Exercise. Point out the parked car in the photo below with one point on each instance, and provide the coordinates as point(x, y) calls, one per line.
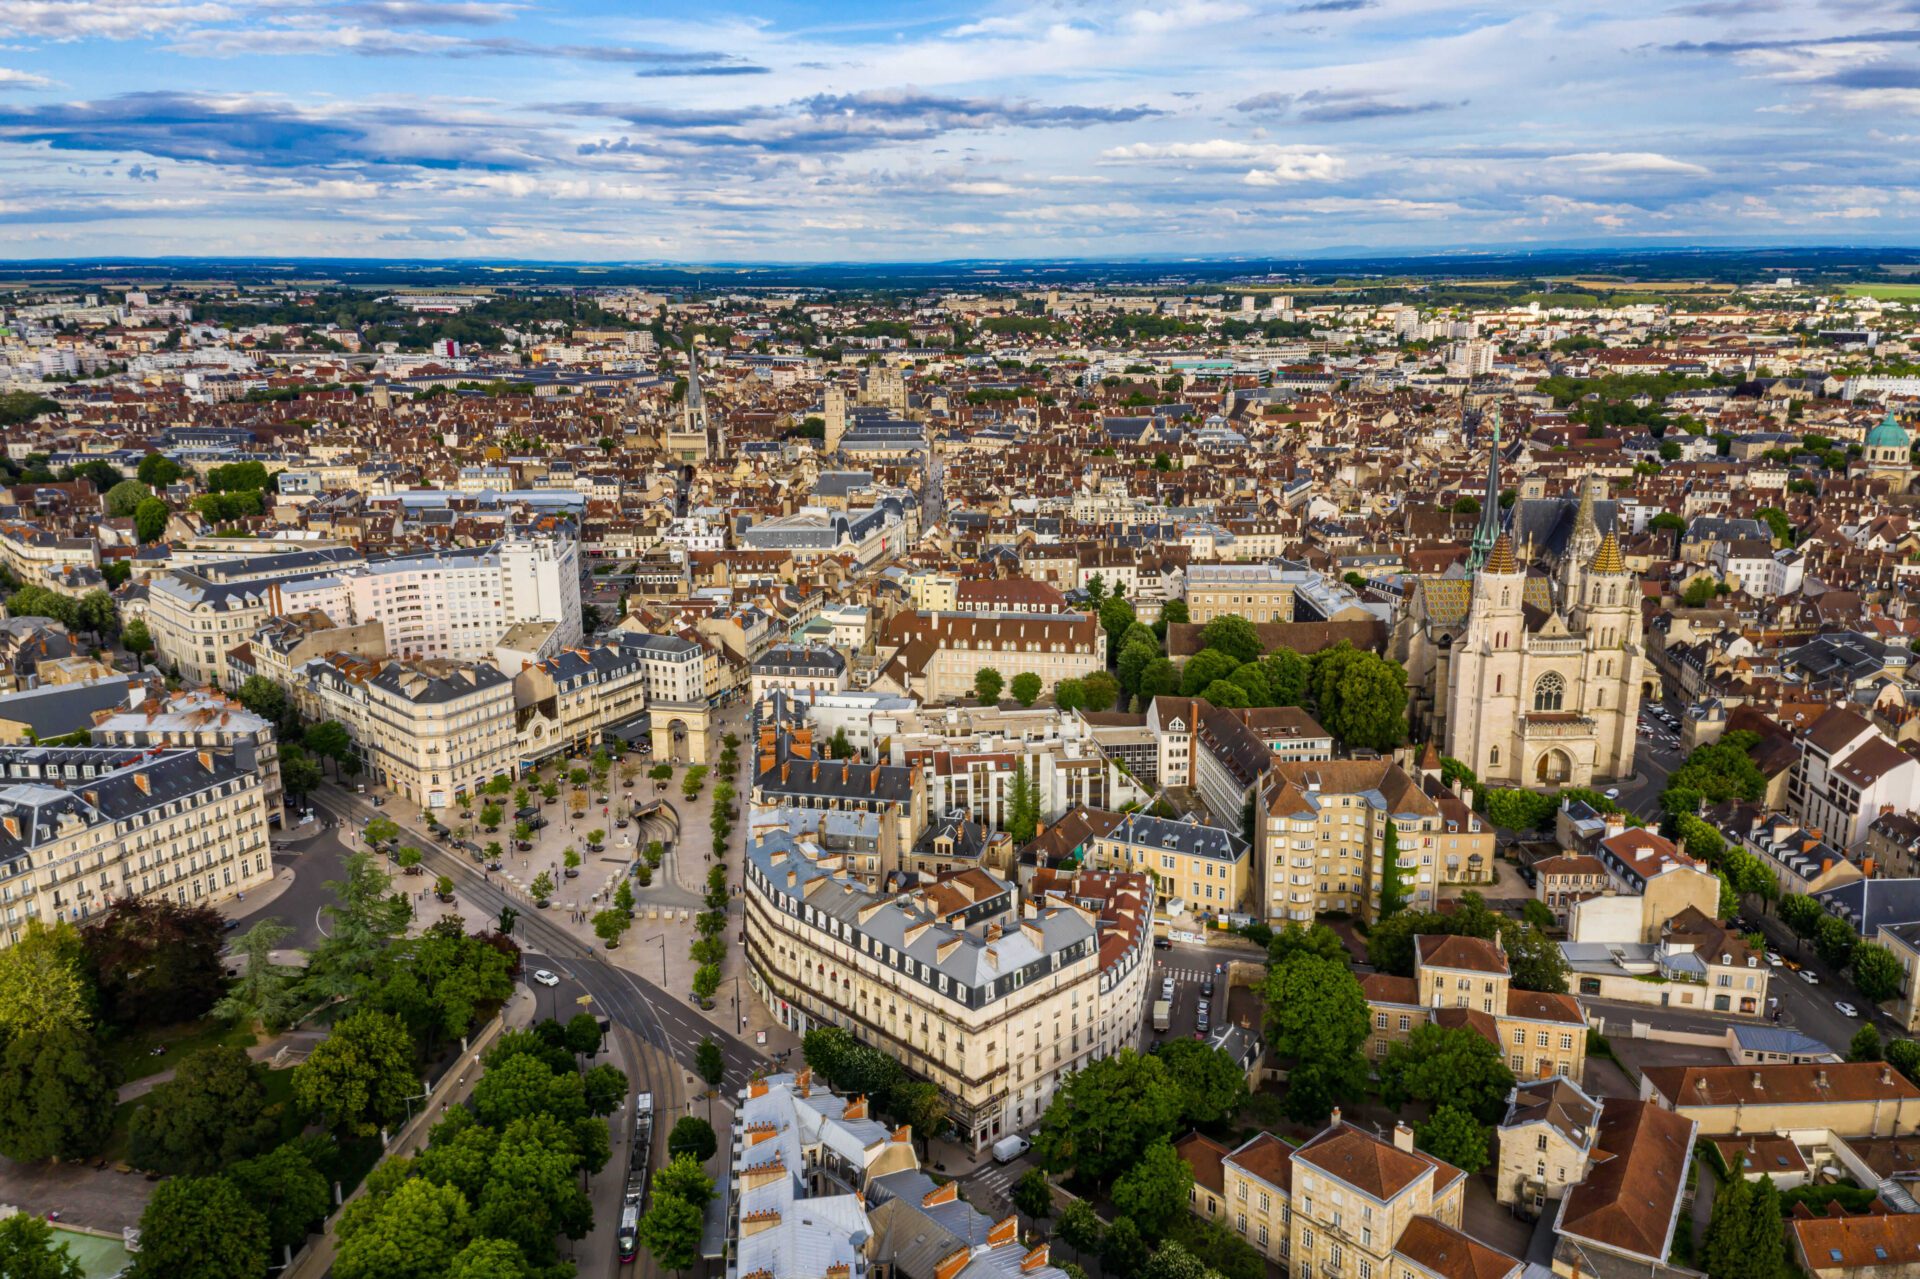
point(1206, 987)
point(1806, 975)
point(1163, 943)
point(1773, 958)
point(1846, 1009)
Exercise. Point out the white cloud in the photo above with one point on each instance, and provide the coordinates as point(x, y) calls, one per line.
point(1626, 163)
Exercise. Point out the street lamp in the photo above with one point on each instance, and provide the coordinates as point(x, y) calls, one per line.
point(662, 939)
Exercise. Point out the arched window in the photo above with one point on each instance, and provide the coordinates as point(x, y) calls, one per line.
point(1493, 755)
point(1549, 691)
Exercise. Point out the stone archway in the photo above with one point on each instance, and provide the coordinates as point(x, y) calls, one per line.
point(680, 734)
point(1649, 690)
point(1553, 768)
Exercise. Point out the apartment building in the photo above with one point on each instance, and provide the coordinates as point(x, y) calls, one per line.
point(1208, 866)
point(1320, 834)
point(1847, 1099)
point(992, 999)
point(1879, 1245)
point(1904, 941)
point(969, 764)
point(284, 643)
point(1848, 774)
point(197, 616)
point(431, 730)
point(1562, 881)
point(196, 719)
point(800, 669)
point(1346, 1204)
point(816, 1176)
point(789, 774)
point(81, 827)
point(1621, 1218)
point(1653, 880)
point(1257, 592)
point(934, 656)
point(569, 701)
point(456, 604)
point(1466, 981)
point(36, 557)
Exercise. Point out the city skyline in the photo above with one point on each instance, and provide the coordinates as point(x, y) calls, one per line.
point(772, 132)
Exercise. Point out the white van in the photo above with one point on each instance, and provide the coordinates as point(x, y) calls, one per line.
point(1008, 1149)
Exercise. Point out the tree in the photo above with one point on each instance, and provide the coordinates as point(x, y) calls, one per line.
point(1746, 1237)
point(155, 961)
point(1234, 636)
point(541, 888)
point(1699, 593)
point(671, 1232)
point(1865, 1045)
point(921, 1106)
point(526, 1084)
point(1288, 676)
point(1834, 940)
point(1135, 656)
point(1023, 815)
point(267, 699)
point(1107, 1113)
point(1394, 893)
point(604, 1087)
point(1153, 1191)
point(1317, 1018)
point(1124, 1250)
point(357, 1080)
point(1904, 1056)
point(1361, 697)
point(1877, 975)
point(125, 497)
point(412, 1233)
point(138, 640)
point(1801, 913)
point(708, 1062)
point(683, 1179)
point(1212, 1084)
point(1454, 1135)
point(365, 915)
point(201, 1227)
point(213, 1112)
point(1220, 1250)
point(150, 520)
point(1033, 1194)
point(609, 924)
point(1116, 615)
point(157, 470)
point(56, 1098)
point(263, 992)
point(1315, 939)
point(1203, 668)
point(1538, 913)
point(42, 986)
point(490, 1259)
point(28, 1250)
point(1448, 1067)
point(1080, 1227)
point(1070, 694)
point(329, 740)
point(1026, 688)
point(692, 1136)
point(987, 683)
point(286, 1188)
point(1099, 691)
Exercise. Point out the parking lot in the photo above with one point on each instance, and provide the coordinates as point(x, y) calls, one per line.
point(1190, 968)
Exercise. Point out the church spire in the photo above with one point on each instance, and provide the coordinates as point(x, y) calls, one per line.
point(1483, 537)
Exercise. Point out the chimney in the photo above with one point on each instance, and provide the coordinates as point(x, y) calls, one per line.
point(1759, 1081)
point(803, 1082)
point(1335, 1118)
point(1035, 1260)
point(941, 1195)
point(1005, 1230)
point(1403, 1137)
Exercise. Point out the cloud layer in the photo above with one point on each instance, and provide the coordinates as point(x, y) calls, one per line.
point(583, 129)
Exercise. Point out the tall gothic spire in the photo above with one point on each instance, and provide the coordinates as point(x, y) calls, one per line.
point(1483, 537)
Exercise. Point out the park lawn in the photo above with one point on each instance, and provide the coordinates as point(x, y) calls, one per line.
point(132, 1054)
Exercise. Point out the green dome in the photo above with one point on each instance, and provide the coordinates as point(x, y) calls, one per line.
point(1888, 434)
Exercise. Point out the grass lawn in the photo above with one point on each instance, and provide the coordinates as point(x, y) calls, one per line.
point(132, 1054)
point(1885, 292)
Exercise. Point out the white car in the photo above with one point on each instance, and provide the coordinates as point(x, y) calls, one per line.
point(1613, 792)
point(1806, 975)
point(545, 978)
point(1773, 959)
point(1846, 1009)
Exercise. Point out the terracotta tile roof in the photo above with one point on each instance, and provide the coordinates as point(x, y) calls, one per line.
point(1267, 1157)
point(1889, 1240)
point(1472, 1019)
point(1779, 1084)
point(1204, 1155)
point(1570, 864)
point(1368, 1164)
point(1627, 1202)
point(1444, 1251)
point(1473, 954)
point(1385, 988)
point(1540, 1005)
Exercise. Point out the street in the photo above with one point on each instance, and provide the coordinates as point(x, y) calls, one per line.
point(1189, 966)
point(654, 1014)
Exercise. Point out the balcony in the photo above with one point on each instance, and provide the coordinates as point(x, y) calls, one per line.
point(1555, 726)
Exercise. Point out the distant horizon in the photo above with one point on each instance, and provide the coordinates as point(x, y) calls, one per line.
point(776, 131)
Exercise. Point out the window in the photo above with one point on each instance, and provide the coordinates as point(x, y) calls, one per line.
point(1549, 692)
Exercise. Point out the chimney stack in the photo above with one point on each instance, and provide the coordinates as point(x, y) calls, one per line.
point(1403, 1137)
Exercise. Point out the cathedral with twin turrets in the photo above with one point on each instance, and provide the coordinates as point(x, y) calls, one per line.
point(1528, 666)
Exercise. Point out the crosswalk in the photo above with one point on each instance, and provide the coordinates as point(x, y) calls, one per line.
point(1184, 974)
point(996, 1180)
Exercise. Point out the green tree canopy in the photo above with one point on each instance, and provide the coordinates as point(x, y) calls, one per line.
point(211, 1113)
point(692, 1136)
point(1360, 696)
point(28, 1250)
point(125, 497)
point(1213, 1085)
point(1106, 1114)
point(987, 683)
point(1153, 1190)
point(287, 1189)
point(1448, 1066)
point(1454, 1135)
point(413, 1233)
point(1317, 1019)
point(56, 1096)
point(201, 1226)
point(43, 982)
point(1026, 688)
point(356, 1080)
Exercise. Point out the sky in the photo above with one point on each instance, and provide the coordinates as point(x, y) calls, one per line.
point(593, 130)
